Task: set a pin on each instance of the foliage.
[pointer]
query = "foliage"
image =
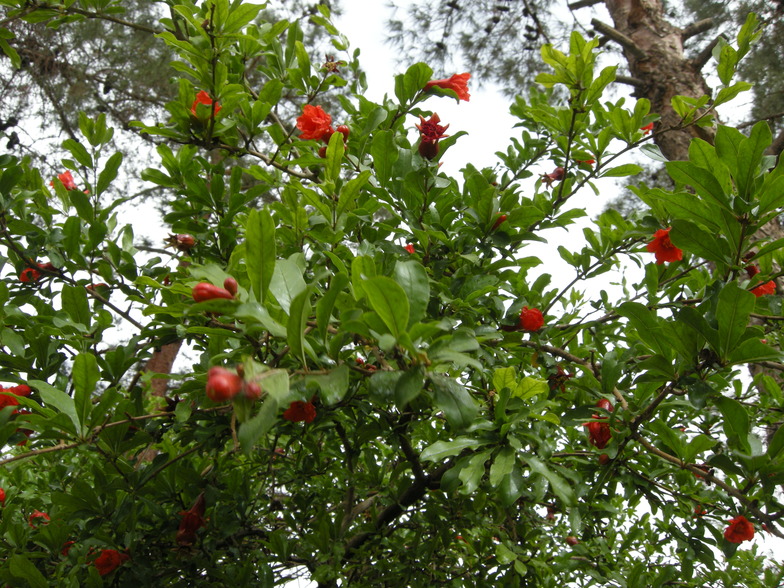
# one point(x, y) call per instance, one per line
point(449, 442)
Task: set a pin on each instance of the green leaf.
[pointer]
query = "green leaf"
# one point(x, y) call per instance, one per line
point(689, 237)
point(504, 378)
point(529, 387)
point(79, 152)
point(298, 319)
point(326, 303)
point(409, 84)
point(412, 277)
point(390, 302)
point(409, 386)
point(335, 151)
point(109, 172)
point(648, 326)
point(560, 487)
point(443, 449)
point(473, 471)
point(628, 169)
point(22, 568)
point(502, 466)
point(704, 182)
point(85, 377)
point(736, 423)
point(59, 400)
point(385, 153)
point(286, 283)
point(74, 299)
point(333, 385)
point(732, 313)
point(454, 400)
point(652, 150)
point(260, 250)
point(350, 191)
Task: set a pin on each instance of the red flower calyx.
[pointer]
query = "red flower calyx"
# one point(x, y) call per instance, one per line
point(181, 242)
point(222, 384)
point(192, 521)
point(300, 411)
point(531, 319)
point(109, 560)
point(430, 133)
point(206, 291)
point(739, 530)
point(458, 83)
point(556, 175)
point(204, 98)
point(663, 248)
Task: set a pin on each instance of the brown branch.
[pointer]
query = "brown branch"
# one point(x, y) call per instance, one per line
point(619, 38)
point(269, 161)
point(583, 4)
point(114, 19)
point(708, 477)
point(698, 27)
point(630, 81)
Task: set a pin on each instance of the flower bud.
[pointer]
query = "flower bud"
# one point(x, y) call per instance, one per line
point(345, 131)
point(206, 291)
point(231, 285)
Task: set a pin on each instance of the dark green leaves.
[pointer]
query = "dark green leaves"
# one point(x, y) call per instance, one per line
point(260, 248)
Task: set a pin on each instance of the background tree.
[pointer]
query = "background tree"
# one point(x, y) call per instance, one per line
point(386, 386)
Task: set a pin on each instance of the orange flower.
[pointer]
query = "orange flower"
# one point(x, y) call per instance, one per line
point(531, 319)
point(314, 123)
point(204, 98)
point(300, 411)
point(663, 247)
point(764, 289)
point(110, 560)
point(458, 83)
point(739, 530)
point(67, 179)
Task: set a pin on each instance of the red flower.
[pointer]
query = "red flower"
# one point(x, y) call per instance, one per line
point(599, 433)
point(300, 411)
point(740, 530)
point(222, 384)
point(556, 175)
point(110, 560)
point(2, 497)
point(430, 130)
point(764, 289)
point(29, 274)
point(585, 161)
point(699, 511)
point(37, 514)
point(7, 400)
point(499, 220)
point(206, 291)
point(409, 248)
point(663, 247)
point(647, 128)
point(314, 123)
point(204, 98)
point(67, 179)
point(67, 547)
point(531, 319)
point(458, 83)
point(192, 521)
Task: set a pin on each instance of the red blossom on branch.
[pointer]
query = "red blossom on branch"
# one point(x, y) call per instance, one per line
point(531, 319)
point(764, 289)
point(204, 98)
point(8, 400)
point(67, 180)
point(409, 248)
point(647, 128)
point(739, 530)
point(663, 248)
point(37, 514)
point(599, 433)
point(458, 83)
point(2, 497)
point(300, 411)
point(315, 123)
point(206, 291)
point(222, 384)
point(109, 560)
point(556, 175)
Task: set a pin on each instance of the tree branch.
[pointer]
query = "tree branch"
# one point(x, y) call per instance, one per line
point(704, 56)
point(619, 38)
point(583, 4)
point(698, 27)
